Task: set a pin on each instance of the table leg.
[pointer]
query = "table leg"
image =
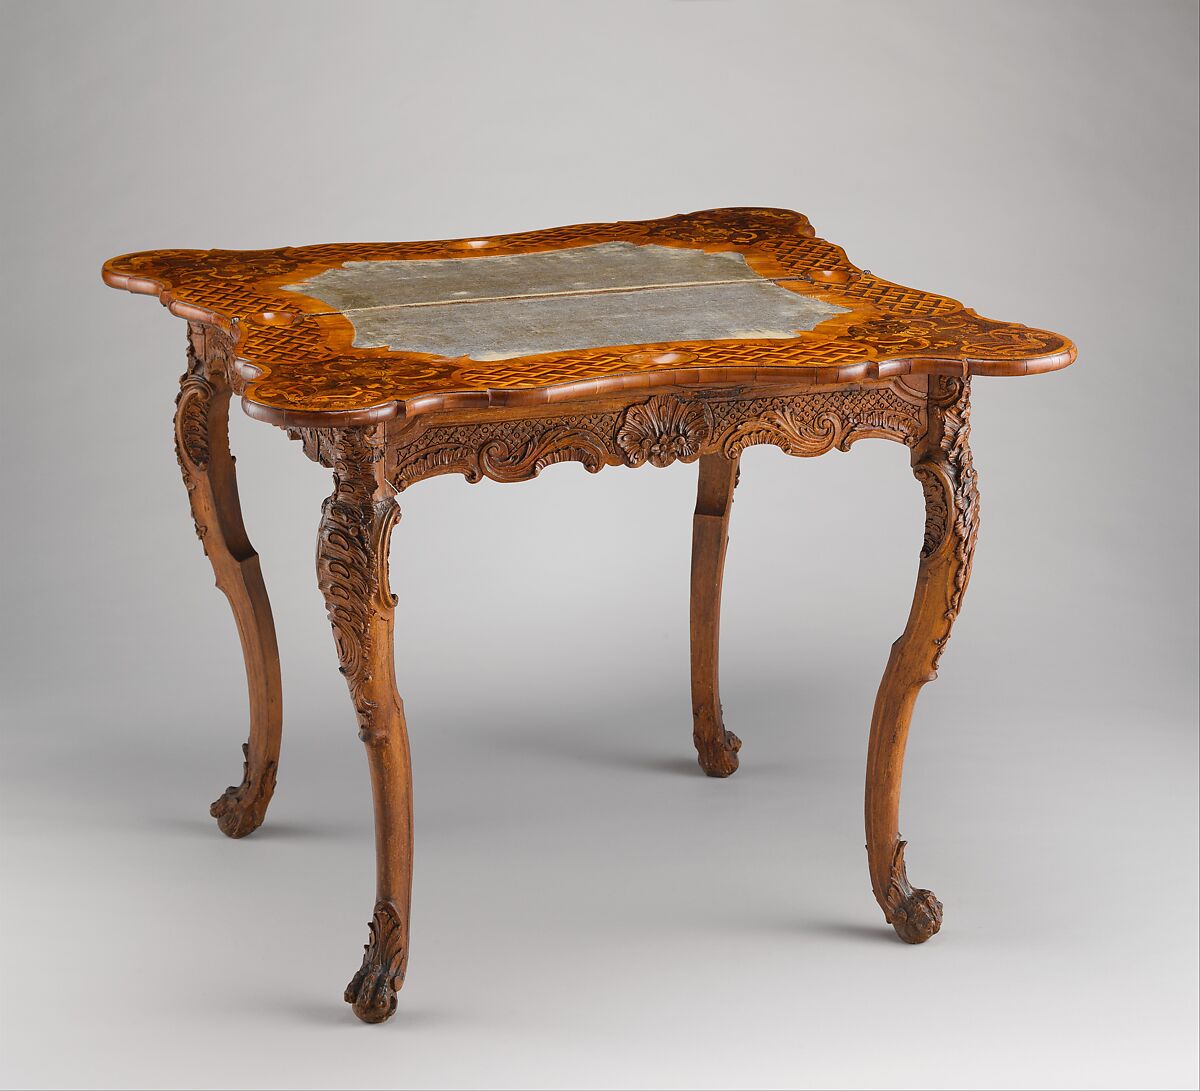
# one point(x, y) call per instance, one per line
point(202, 446)
point(942, 464)
point(716, 748)
point(352, 570)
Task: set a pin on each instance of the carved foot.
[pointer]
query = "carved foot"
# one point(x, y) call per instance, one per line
point(242, 808)
point(372, 991)
point(914, 912)
point(918, 917)
point(719, 759)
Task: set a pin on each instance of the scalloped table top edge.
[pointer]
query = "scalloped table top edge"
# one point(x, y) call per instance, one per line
point(299, 365)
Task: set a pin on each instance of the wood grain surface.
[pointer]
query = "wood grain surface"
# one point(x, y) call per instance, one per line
point(892, 363)
point(296, 361)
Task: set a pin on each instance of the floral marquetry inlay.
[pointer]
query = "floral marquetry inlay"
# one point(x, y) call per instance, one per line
point(683, 340)
point(362, 332)
point(657, 431)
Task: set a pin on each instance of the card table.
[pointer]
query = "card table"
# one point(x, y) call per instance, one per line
point(682, 339)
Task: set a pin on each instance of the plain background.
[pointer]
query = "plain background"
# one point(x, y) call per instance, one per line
point(590, 911)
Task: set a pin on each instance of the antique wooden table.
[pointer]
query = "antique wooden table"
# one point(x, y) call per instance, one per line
point(689, 338)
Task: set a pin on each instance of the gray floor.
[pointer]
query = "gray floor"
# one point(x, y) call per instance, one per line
point(589, 910)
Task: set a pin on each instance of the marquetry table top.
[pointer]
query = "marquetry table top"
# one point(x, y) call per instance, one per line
point(687, 339)
point(357, 332)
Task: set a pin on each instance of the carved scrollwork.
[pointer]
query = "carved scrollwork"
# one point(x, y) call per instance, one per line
point(792, 432)
point(659, 431)
point(207, 466)
point(317, 444)
point(811, 424)
point(209, 352)
point(946, 390)
point(443, 459)
point(502, 460)
point(948, 480)
point(372, 990)
point(937, 488)
point(956, 448)
point(352, 552)
point(191, 425)
point(193, 443)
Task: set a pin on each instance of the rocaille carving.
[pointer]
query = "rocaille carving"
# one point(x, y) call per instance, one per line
point(192, 439)
point(956, 448)
point(352, 551)
point(950, 485)
point(503, 459)
point(201, 447)
point(191, 425)
point(664, 429)
point(942, 465)
point(191, 416)
point(242, 807)
point(372, 990)
point(659, 431)
point(209, 353)
point(294, 363)
point(316, 443)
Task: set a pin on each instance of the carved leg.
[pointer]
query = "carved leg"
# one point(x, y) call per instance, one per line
point(942, 464)
point(352, 570)
point(202, 445)
point(716, 748)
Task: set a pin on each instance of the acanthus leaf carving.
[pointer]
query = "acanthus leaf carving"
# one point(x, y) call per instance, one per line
point(658, 431)
point(191, 425)
point(316, 444)
point(794, 433)
point(242, 807)
point(949, 483)
point(502, 460)
point(956, 447)
point(207, 467)
point(352, 552)
point(936, 488)
point(914, 912)
point(372, 990)
point(193, 441)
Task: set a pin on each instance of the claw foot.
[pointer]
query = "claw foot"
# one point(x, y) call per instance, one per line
point(915, 913)
point(720, 760)
point(918, 917)
point(242, 808)
point(372, 991)
point(372, 996)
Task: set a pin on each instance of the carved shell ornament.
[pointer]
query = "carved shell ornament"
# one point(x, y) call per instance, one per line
point(662, 430)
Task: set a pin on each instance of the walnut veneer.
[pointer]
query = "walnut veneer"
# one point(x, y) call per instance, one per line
point(773, 337)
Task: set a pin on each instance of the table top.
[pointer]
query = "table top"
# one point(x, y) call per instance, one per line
point(359, 332)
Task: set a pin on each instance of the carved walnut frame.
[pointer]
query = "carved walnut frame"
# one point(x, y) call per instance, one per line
point(710, 425)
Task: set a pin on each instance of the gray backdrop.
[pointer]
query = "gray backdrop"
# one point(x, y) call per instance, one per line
point(589, 910)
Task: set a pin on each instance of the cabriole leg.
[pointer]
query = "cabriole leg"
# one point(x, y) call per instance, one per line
point(352, 570)
point(716, 748)
point(202, 445)
point(942, 464)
